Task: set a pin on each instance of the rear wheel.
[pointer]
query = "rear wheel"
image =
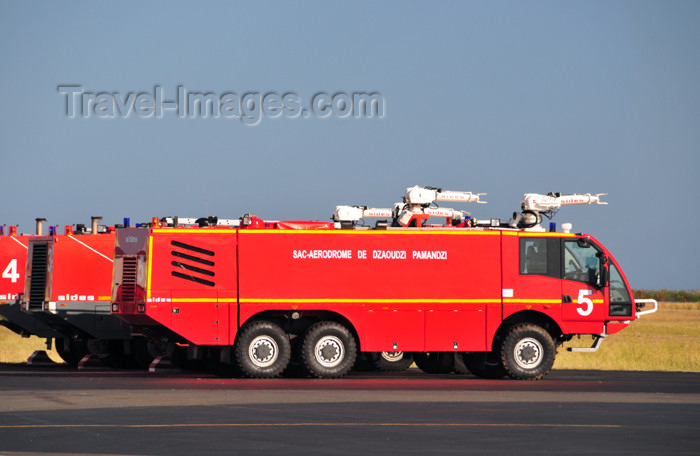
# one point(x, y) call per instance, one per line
point(262, 350)
point(528, 352)
point(329, 350)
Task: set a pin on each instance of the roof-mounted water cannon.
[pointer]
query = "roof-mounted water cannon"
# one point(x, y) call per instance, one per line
point(534, 206)
point(428, 195)
point(414, 210)
point(406, 215)
point(353, 214)
point(418, 200)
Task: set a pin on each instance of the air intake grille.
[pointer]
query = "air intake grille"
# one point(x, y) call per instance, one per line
point(193, 272)
point(129, 279)
point(37, 284)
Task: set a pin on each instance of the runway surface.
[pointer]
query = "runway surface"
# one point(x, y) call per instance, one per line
point(55, 410)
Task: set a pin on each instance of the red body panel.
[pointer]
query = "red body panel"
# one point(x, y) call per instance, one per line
point(187, 307)
point(82, 268)
point(395, 287)
point(13, 257)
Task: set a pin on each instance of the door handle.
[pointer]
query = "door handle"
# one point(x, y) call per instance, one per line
point(566, 299)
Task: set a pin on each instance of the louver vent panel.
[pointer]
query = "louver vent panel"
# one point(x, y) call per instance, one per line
point(37, 286)
point(129, 279)
point(193, 263)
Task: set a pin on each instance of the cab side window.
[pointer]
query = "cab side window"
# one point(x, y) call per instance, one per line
point(540, 256)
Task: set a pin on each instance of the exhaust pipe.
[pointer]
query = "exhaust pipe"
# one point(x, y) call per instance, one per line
point(95, 223)
point(40, 226)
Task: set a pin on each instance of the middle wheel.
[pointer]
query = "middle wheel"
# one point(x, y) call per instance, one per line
point(329, 350)
point(262, 350)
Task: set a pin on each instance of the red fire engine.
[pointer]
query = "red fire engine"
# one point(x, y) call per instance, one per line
point(495, 297)
point(13, 257)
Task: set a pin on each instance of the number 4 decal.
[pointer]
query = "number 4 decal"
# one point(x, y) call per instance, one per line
point(10, 271)
point(582, 299)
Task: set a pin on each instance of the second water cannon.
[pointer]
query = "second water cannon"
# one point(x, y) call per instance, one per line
point(535, 205)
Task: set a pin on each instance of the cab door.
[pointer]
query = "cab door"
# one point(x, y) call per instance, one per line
point(583, 296)
point(531, 274)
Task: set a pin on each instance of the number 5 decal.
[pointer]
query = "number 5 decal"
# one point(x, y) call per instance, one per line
point(582, 299)
point(10, 271)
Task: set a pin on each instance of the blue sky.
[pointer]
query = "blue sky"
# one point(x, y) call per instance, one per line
point(498, 97)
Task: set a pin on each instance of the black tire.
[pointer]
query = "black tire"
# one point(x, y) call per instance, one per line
point(392, 361)
point(109, 352)
point(329, 350)
point(144, 351)
point(485, 364)
point(528, 352)
point(71, 351)
point(435, 362)
point(262, 350)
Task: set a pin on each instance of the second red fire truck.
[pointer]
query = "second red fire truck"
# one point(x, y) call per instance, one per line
point(496, 297)
point(13, 257)
point(68, 288)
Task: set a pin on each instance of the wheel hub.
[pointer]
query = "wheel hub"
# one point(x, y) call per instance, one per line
point(392, 356)
point(528, 353)
point(329, 351)
point(263, 351)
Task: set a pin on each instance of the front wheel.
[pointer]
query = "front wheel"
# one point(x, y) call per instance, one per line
point(262, 350)
point(329, 350)
point(528, 352)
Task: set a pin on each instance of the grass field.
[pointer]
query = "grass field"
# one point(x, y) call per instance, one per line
point(15, 349)
point(668, 340)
